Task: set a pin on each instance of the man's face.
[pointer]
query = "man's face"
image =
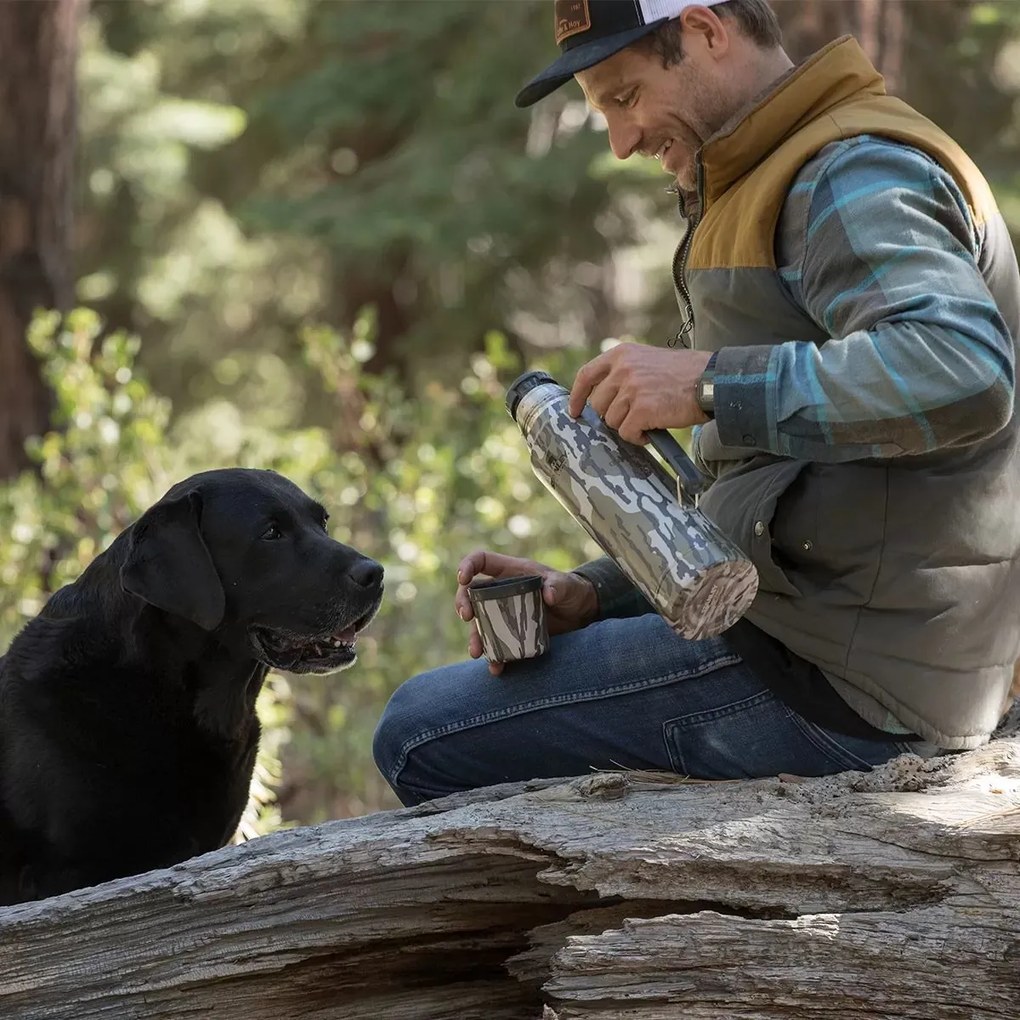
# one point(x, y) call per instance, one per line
point(666, 113)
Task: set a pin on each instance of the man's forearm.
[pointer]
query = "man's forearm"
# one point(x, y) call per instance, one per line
point(846, 400)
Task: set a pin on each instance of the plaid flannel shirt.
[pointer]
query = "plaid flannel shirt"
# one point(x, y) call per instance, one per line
point(877, 244)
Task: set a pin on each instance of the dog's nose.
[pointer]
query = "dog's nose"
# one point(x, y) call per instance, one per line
point(366, 573)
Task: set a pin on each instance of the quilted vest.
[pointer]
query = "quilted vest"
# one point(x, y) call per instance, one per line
point(900, 577)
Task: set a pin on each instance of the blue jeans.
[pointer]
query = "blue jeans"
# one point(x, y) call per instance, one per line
point(619, 694)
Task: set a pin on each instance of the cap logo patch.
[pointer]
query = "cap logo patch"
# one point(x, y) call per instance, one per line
point(571, 17)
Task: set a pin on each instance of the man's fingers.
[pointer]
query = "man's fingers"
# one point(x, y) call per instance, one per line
point(616, 413)
point(474, 645)
point(475, 651)
point(587, 378)
point(492, 564)
point(487, 564)
point(631, 429)
point(473, 563)
point(462, 603)
point(601, 397)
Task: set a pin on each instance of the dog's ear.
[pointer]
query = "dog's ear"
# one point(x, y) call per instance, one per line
point(169, 566)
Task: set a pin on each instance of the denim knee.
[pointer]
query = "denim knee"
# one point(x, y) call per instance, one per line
point(402, 720)
point(390, 733)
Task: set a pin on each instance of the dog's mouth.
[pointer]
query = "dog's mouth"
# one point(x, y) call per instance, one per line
point(323, 652)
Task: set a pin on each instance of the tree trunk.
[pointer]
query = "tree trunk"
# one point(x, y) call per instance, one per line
point(38, 42)
point(889, 894)
point(877, 24)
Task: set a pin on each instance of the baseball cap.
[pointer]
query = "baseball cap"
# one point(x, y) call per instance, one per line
point(589, 31)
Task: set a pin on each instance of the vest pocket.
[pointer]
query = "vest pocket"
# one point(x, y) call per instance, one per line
point(749, 505)
point(770, 518)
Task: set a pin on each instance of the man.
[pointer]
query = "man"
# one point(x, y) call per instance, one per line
point(850, 305)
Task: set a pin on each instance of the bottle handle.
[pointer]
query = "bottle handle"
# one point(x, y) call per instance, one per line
point(689, 480)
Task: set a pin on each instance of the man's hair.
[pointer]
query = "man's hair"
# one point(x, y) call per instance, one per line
point(755, 18)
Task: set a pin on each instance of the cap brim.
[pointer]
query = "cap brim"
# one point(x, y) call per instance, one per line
point(580, 58)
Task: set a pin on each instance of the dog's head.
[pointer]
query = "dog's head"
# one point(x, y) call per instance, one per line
point(246, 554)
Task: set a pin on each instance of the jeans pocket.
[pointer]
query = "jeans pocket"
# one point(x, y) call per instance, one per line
point(849, 754)
point(734, 741)
point(760, 736)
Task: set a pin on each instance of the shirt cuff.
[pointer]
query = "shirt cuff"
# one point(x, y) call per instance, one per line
point(617, 596)
point(742, 384)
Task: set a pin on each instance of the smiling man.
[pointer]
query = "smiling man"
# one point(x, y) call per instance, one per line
point(850, 304)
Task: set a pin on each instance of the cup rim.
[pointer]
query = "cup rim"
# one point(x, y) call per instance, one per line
point(503, 587)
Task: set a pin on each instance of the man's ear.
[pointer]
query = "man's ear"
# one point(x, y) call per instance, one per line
point(169, 566)
point(703, 27)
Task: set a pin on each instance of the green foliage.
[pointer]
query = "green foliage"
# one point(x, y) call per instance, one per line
point(251, 168)
point(415, 482)
point(104, 463)
point(339, 155)
point(162, 93)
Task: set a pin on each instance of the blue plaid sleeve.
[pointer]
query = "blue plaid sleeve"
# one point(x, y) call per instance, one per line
point(877, 244)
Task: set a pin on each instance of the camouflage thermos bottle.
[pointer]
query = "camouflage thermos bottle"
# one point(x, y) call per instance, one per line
point(693, 575)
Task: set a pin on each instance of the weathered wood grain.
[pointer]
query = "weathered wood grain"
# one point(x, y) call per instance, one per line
point(894, 893)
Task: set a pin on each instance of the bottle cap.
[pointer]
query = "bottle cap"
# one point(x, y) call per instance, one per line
point(521, 385)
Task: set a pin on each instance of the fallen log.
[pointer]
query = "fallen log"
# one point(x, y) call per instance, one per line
point(619, 895)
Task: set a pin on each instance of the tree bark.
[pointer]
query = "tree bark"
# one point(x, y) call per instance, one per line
point(878, 26)
point(889, 894)
point(38, 43)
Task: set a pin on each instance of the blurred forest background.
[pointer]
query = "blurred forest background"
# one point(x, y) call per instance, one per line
point(319, 237)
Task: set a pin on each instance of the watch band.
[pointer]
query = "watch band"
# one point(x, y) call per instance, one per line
point(704, 392)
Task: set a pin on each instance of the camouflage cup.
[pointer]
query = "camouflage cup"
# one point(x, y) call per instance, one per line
point(510, 617)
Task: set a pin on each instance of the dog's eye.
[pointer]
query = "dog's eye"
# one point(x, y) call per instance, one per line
point(272, 533)
point(325, 523)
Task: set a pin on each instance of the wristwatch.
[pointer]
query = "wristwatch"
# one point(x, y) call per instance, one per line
point(704, 392)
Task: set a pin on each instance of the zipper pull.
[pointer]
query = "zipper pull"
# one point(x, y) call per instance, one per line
point(682, 339)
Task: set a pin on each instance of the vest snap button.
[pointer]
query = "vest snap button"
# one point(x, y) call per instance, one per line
point(749, 440)
point(807, 546)
point(759, 528)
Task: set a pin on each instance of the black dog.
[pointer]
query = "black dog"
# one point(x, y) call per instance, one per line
point(127, 724)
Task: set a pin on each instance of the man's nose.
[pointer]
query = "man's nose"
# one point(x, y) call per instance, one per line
point(624, 138)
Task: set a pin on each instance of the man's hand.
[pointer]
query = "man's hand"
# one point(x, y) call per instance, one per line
point(569, 598)
point(634, 388)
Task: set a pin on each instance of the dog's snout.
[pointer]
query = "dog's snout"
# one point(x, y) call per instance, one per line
point(366, 573)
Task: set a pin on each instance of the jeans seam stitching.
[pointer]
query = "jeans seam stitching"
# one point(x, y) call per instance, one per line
point(676, 760)
point(670, 726)
point(827, 746)
point(711, 714)
point(530, 706)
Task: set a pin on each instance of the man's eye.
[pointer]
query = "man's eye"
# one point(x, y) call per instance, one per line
point(628, 98)
point(272, 533)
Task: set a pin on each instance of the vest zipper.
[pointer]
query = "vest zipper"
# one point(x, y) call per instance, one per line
point(685, 335)
point(679, 263)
